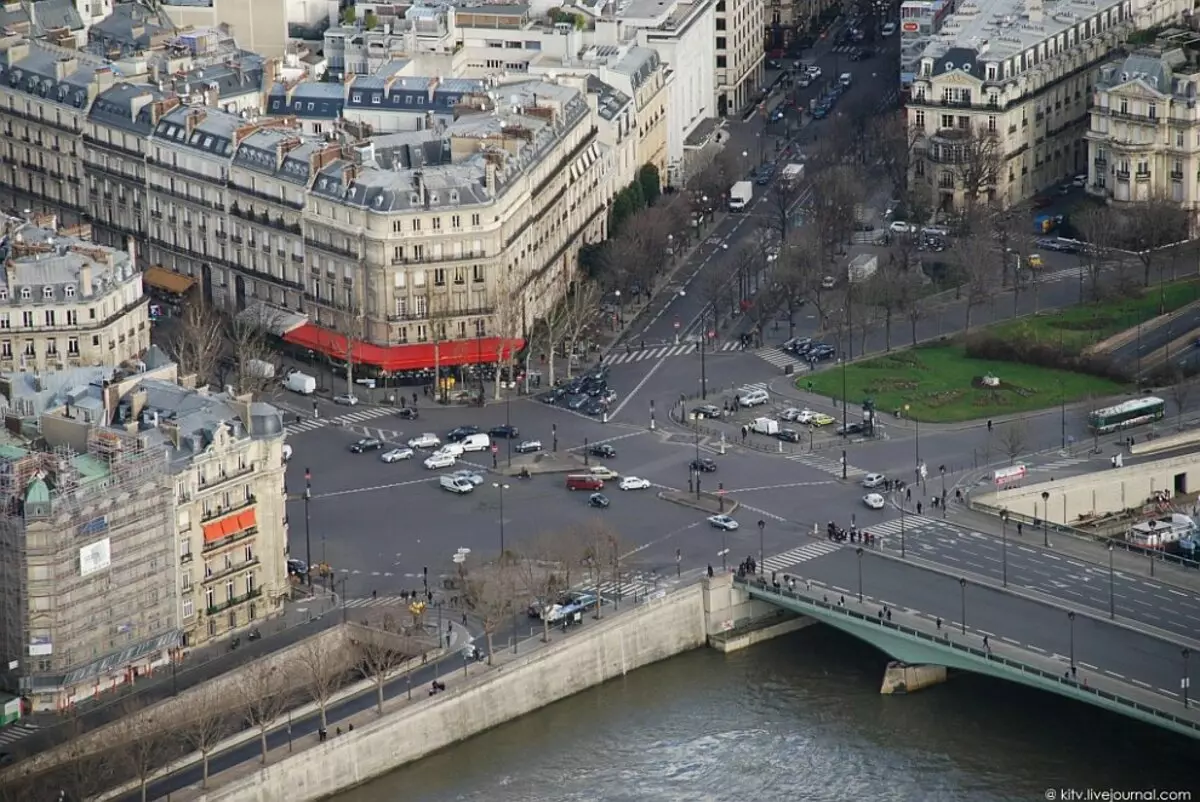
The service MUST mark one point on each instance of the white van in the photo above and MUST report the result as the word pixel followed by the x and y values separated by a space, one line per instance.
pixel 764 426
pixel 452 449
pixel 476 442
pixel 753 398
pixel 301 383
pixel 456 484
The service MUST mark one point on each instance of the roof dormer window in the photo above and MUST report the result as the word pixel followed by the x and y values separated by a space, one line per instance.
pixel 47 292
pixel 3 294
pixel 26 294
pixel 69 291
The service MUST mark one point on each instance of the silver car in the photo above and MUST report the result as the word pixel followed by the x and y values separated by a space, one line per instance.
pixel 470 476
pixel 396 454
pixel 872 480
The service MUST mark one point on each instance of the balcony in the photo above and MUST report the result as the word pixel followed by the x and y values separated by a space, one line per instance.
pixel 234 602
pixel 184 559
pixel 1142 175
pixel 209 482
pixel 1122 175
pixel 331 248
pixel 219 511
pixel 474 311
pixel 298 258
pixel 1100 162
pixel 215 545
pixel 1177 175
pixel 241 190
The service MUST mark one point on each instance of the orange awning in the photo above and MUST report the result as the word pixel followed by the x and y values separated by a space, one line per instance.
pixel 229 525
pixel 160 278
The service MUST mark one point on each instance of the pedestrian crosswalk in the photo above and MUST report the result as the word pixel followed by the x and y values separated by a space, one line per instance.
pixel 15 732
pixel 800 554
pixel 620 357
pixel 780 358
pixel 1059 464
pixel 346 419
pixel 909 523
pixel 1058 275
pixel 829 465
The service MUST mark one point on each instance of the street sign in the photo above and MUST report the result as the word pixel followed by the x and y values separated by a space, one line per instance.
pixel 495 448
pixel 677 324
pixel 712 334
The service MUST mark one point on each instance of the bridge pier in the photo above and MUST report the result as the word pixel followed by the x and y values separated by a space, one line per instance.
pixel 900 678
pixel 734 621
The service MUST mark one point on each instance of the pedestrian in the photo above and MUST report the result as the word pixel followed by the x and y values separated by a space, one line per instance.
pixel 985 643
pixel 350 727
pixel 374 594
pixel 842 601
pixel 808 584
pixel 908 494
pixel 918 508
pixel 338 731
pixel 939 623
pixel 464 619
pixel 1074 675
pixel 1019 528
pixel 322 734
pixel 888 613
pixel 710 571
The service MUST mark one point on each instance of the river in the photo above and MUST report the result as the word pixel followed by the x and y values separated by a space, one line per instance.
pixel 798 718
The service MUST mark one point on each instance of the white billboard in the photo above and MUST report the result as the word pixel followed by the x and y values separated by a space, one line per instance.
pixel 40 646
pixel 95 557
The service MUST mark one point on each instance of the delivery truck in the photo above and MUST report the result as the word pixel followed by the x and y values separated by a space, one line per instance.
pixel 791 175
pixel 300 383
pixel 862 267
pixel 740 195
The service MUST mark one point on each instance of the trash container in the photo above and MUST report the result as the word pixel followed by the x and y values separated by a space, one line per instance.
pixel 788 370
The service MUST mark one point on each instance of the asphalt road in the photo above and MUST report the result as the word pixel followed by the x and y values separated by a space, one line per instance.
pixel 1136 599
pixel 1152 338
pixel 1096 644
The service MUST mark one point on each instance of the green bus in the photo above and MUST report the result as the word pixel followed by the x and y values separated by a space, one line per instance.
pixel 1128 413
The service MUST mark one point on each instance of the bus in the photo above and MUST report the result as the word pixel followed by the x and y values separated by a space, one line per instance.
pixel 1128 413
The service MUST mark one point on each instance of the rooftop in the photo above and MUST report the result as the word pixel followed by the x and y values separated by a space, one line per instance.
pixel 999 29
pixel 41 265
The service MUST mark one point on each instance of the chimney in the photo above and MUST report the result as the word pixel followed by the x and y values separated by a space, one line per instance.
pixel 13 49
pixel 1034 9
pixel 489 177
pixel 194 118
pixel 64 66
pixel 85 279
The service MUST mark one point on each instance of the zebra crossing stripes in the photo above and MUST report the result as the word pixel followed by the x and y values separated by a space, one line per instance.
pixel 780 358
pixel 345 419
pixel 910 523
pixel 661 352
pixel 1059 464
pixel 15 732
pixel 826 465
pixel 800 554
pixel 305 425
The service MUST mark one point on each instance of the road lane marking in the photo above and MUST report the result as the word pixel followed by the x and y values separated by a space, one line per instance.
pixel 1168 693
pixel 1136 589
pixel 1177 592
pixel 1035 648
pixel 1052 557
pixel 985 632
pixel 976 565
pixel 1152 617
pixel 1057 656
pixel 1076 565
pixel 779 487
pixel 1010 640
pixel 1143 684
pixel 613 439
pixel 1088 666
pixel 1027 550
pixel 951 557
pixel 376 487
pixel 766 514
pixel 637 387
pixel 840 590
pixel 1114 674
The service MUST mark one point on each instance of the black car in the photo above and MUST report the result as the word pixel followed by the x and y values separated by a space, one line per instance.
pixel 850 429
pixel 366 444
pixel 774 64
pixel 596 390
pixel 821 352
pixel 528 446
pixel 594 407
pixel 552 397
pixel 707 411
pixel 407 413
pixel 577 402
pixel 703 465
pixel 788 435
pixel 598 500
pixel 602 450
pixel 461 433
pixel 506 431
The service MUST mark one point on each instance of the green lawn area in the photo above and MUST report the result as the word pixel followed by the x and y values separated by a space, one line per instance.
pixel 941 385
pixel 1077 327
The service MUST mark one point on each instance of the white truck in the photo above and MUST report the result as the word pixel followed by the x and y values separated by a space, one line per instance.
pixel 740 195
pixel 792 174
pixel 260 369
pixel 300 383
pixel 768 426
pixel 862 267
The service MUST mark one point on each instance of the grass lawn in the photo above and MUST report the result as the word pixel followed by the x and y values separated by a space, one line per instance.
pixel 941 385
pixel 1080 326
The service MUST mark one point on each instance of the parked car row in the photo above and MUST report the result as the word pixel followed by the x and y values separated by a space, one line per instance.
pixel 589 394
pixel 810 350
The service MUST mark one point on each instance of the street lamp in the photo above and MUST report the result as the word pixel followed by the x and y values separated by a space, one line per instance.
pixel 1112 596
pixel 1186 682
pixel 901 529
pixel 962 584
pixel 617 294
pixel 1071 623
pixel 1004 547
pixel 1046 518
pixel 501 488
pixel 942 470
pixel 859 552
pixel 508 418
pixel 761 526
pixel 917 425
pixel 724 548
pixel 308 524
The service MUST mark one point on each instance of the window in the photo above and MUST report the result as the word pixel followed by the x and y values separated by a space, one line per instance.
pixel 27 319
pixel 47 292
pixel 26 294
pixel 991 124
pixel 230 595
pixel 416 224
pixel 6 349
pixel 477 274
pixel 455 221
pixel 72 317
pixel 947 121
pixel 52 346
pixel 401 307
pixel 49 317
pixel 1152 111
pixel 29 349
pixel 1179 139
pixel 919 118
pixel 188 608
pixel 4 294
pixel 460 276
pixel 439 277
pixel 421 308
pixel 249 553
pixel 69 291
pixel 475 219
pixel 1124 106
pixel 4 321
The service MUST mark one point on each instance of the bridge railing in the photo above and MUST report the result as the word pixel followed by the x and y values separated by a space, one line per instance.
pixel 944 641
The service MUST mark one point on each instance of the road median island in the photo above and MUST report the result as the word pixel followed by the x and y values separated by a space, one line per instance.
pixel 710 503
pixel 543 463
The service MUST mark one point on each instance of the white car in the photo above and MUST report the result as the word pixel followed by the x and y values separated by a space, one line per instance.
pixel 814 72
pixel 805 416
pixel 426 440
pixel 396 454
pixel 472 477
pixel 438 461
pixel 603 472
pixel 874 501
pixel 902 227
pixel 873 480
pixel 888 29
pixel 789 414
pixel 346 399
pixel 722 522
pixel 634 483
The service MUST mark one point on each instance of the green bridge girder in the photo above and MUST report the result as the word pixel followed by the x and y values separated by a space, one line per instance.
pixel 916 647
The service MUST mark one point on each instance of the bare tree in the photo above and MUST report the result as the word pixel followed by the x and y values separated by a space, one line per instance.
pixel 977 271
pixel 1181 391
pixel 255 362
pixel 491 594
pixel 1012 439
pixel 199 341
pixel 885 292
pixel 263 695
pixel 146 744
pixel 541 574
pixel 382 653
pixel 833 207
pixel 1148 226
pixel 208 722
pixel 82 773
pixel 975 158
pixel 580 307
pixel 895 144
pixel 1096 225
pixel 509 322
pixel 550 328
pixel 324 670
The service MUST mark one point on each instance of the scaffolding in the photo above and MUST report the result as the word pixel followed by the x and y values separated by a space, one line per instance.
pixel 93 593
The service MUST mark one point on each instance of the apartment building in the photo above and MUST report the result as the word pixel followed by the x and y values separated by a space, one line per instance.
pixel 919 21
pixel 1002 91
pixel 459 234
pixel 1144 138
pixel 260 26
pixel 740 57
pixel 67 302
pixel 88 581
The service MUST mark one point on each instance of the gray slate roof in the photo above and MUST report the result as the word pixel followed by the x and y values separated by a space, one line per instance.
pixel 126 107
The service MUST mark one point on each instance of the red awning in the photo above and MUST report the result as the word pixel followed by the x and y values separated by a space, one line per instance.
pixel 413 356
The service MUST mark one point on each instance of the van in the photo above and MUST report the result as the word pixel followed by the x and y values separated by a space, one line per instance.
pixel 300 383
pixel 764 426
pixel 451 449
pixel 753 398
pixel 476 442
pixel 584 481
pixel 456 484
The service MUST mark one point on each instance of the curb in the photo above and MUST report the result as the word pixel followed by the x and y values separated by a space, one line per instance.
pixel 683 500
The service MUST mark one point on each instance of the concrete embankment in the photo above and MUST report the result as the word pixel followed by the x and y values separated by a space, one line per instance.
pixel 655 631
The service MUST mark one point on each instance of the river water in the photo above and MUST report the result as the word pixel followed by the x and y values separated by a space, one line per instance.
pixel 798 718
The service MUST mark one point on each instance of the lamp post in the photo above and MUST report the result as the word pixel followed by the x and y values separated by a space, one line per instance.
pixel 1186 682
pixel 1004 547
pixel 343 598
pixel 902 529
pixel 917 451
pixel 1046 518
pixel 762 525
pixel 501 488
pixel 1071 625
pixel 724 550
pixel 1112 595
pixel 308 524
pixel 508 419
pixel 617 294
pixel 859 552
pixel 703 362
pixel 1062 408
pixel 962 584
pixel 942 471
